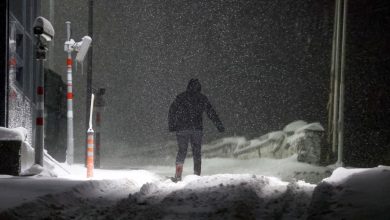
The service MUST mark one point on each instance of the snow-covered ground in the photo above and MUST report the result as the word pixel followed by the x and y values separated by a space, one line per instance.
pixel 257 188
pixel 146 194
pixel 139 194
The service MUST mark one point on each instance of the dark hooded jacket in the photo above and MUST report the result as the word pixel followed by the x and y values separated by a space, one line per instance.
pixel 186 112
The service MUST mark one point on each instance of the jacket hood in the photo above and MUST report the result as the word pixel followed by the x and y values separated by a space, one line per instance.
pixel 194 86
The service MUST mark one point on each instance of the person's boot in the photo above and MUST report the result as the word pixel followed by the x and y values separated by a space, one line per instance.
pixel 197 171
pixel 197 168
pixel 179 171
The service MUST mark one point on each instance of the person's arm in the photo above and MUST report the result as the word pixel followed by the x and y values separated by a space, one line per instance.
pixel 212 114
pixel 172 116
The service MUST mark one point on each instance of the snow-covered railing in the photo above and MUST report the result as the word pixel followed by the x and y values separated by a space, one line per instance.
pixel 298 137
pixel 274 139
pixel 223 147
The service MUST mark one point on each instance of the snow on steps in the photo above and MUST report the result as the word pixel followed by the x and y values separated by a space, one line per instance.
pixel 51 166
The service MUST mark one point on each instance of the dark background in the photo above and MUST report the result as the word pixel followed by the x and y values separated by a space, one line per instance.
pixel 263 64
pixel 367 84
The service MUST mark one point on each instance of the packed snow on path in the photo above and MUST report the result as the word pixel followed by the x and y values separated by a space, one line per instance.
pixel 287 169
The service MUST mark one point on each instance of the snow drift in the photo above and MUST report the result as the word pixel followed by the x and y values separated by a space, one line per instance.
pixel 50 166
pixel 138 194
pixel 298 137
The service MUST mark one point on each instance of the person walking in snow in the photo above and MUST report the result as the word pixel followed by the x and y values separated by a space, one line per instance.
pixel 186 119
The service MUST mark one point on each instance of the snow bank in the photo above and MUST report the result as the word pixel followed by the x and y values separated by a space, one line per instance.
pixel 70 195
pixel 232 196
pixel 353 194
pixel 139 194
pixel 51 167
pixel 219 196
pixel 70 199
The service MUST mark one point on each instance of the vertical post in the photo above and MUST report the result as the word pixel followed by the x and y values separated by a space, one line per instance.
pixel 40 55
pixel 3 62
pixel 97 141
pixel 90 143
pixel 99 104
pixel 90 54
pixel 39 130
pixel 332 74
pixel 342 77
pixel 12 61
pixel 69 97
pixel 51 18
pixel 336 77
pixel 90 165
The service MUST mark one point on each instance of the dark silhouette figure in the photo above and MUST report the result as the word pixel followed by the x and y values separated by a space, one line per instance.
pixel 186 119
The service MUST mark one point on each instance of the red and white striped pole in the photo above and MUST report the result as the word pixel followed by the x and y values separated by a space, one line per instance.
pixel 90 143
pixel 69 98
pixel 12 75
pixel 40 108
pixel 12 59
pixel 40 55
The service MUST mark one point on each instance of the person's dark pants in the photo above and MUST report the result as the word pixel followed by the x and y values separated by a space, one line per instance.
pixel 195 138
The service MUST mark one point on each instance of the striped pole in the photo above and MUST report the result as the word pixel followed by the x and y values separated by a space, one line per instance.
pixel 12 76
pixel 90 142
pixel 12 69
pixel 39 130
pixel 12 61
pixel 69 97
pixel 90 164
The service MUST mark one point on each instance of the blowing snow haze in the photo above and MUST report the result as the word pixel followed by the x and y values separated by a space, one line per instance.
pixel 258 61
